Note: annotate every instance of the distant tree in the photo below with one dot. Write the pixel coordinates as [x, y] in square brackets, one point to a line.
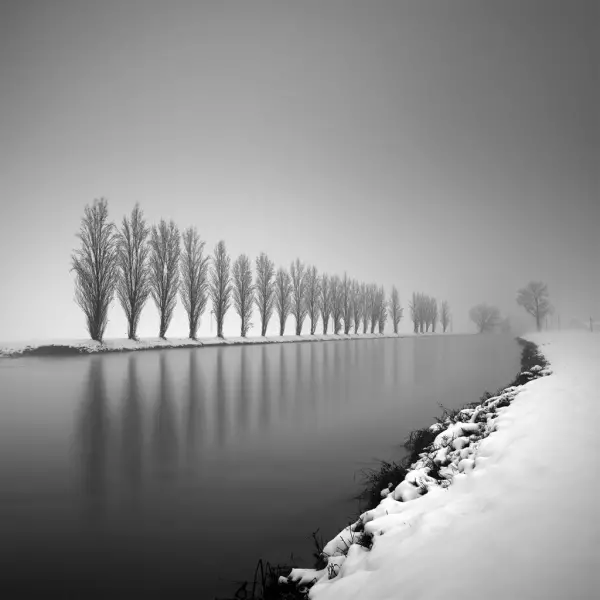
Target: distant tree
[414, 311]
[313, 296]
[243, 292]
[265, 296]
[346, 300]
[326, 302]
[433, 313]
[356, 305]
[283, 297]
[299, 309]
[382, 308]
[365, 297]
[96, 267]
[132, 282]
[194, 279]
[534, 298]
[220, 285]
[395, 309]
[374, 300]
[505, 325]
[445, 315]
[486, 317]
[337, 307]
[164, 271]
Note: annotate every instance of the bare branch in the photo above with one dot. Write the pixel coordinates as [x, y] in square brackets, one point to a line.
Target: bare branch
[164, 271]
[96, 267]
[265, 298]
[243, 291]
[283, 297]
[194, 279]
[220, 285]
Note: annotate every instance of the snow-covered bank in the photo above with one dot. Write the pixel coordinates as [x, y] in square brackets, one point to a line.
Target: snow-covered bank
[501, 505]
[66, 347]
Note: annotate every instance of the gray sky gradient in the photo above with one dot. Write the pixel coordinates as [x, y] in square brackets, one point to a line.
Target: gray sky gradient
[447, 147]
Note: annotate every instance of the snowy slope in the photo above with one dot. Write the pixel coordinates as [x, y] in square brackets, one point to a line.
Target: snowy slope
[520, 518]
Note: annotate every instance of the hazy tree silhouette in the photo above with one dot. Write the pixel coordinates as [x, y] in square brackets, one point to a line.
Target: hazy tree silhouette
[415, 311]
[486, 317]
[283, 297]
[133, 286]
[337, 306]
[264, 293]
[382, 309]
[96, 267]
[374, 301]
[534, 298]
[194, 279]
[430, 313]
[365, 300]
[356, 305]
[220, 285]
[299, 309]
[326, 302]
[347, 308]
[164, 271]
[243, 292]
[313, 295]
[395, 309]
[445, 315]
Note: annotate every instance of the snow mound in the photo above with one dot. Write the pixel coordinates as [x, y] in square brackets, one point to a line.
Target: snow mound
[491, 473]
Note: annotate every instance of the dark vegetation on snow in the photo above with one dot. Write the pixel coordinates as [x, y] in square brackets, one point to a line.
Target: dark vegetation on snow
[266, 586]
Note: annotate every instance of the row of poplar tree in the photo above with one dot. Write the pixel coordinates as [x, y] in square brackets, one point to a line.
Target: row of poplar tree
[138, 262]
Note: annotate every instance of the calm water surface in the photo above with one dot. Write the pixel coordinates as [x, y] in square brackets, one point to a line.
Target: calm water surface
[169, 473]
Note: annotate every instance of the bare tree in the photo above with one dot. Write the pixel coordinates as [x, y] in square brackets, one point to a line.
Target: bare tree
[534, 298]
[445, 315]
[96, 267]
[194, 279]
[337, 307]
[299, 309]
[347, 309]
[374, 300]
[356, 306]
[132, 283]
[382, 309]
[313, 296]
[220, 285]
[433, 307]
[264, 297]
[243, 292]
[365, 296]
[414, 311]
[164, 271]
[395, 309]
[326, 302]
[485, 317]
[283, 297]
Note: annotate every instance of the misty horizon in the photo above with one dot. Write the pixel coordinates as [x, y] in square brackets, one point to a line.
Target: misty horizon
[447, 151]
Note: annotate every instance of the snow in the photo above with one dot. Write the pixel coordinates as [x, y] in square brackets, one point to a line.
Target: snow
[123, 344]
[519, 518]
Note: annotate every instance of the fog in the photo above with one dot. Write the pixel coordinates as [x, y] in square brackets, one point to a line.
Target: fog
[453, 151]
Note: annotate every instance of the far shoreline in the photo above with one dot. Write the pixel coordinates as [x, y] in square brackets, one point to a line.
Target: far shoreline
[79, 347]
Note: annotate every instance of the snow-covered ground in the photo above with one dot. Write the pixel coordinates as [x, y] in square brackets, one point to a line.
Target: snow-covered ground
[123, 344]
[517, 517]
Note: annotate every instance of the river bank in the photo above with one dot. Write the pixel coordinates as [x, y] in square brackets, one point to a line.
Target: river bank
[494, 501]
[74, 347]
